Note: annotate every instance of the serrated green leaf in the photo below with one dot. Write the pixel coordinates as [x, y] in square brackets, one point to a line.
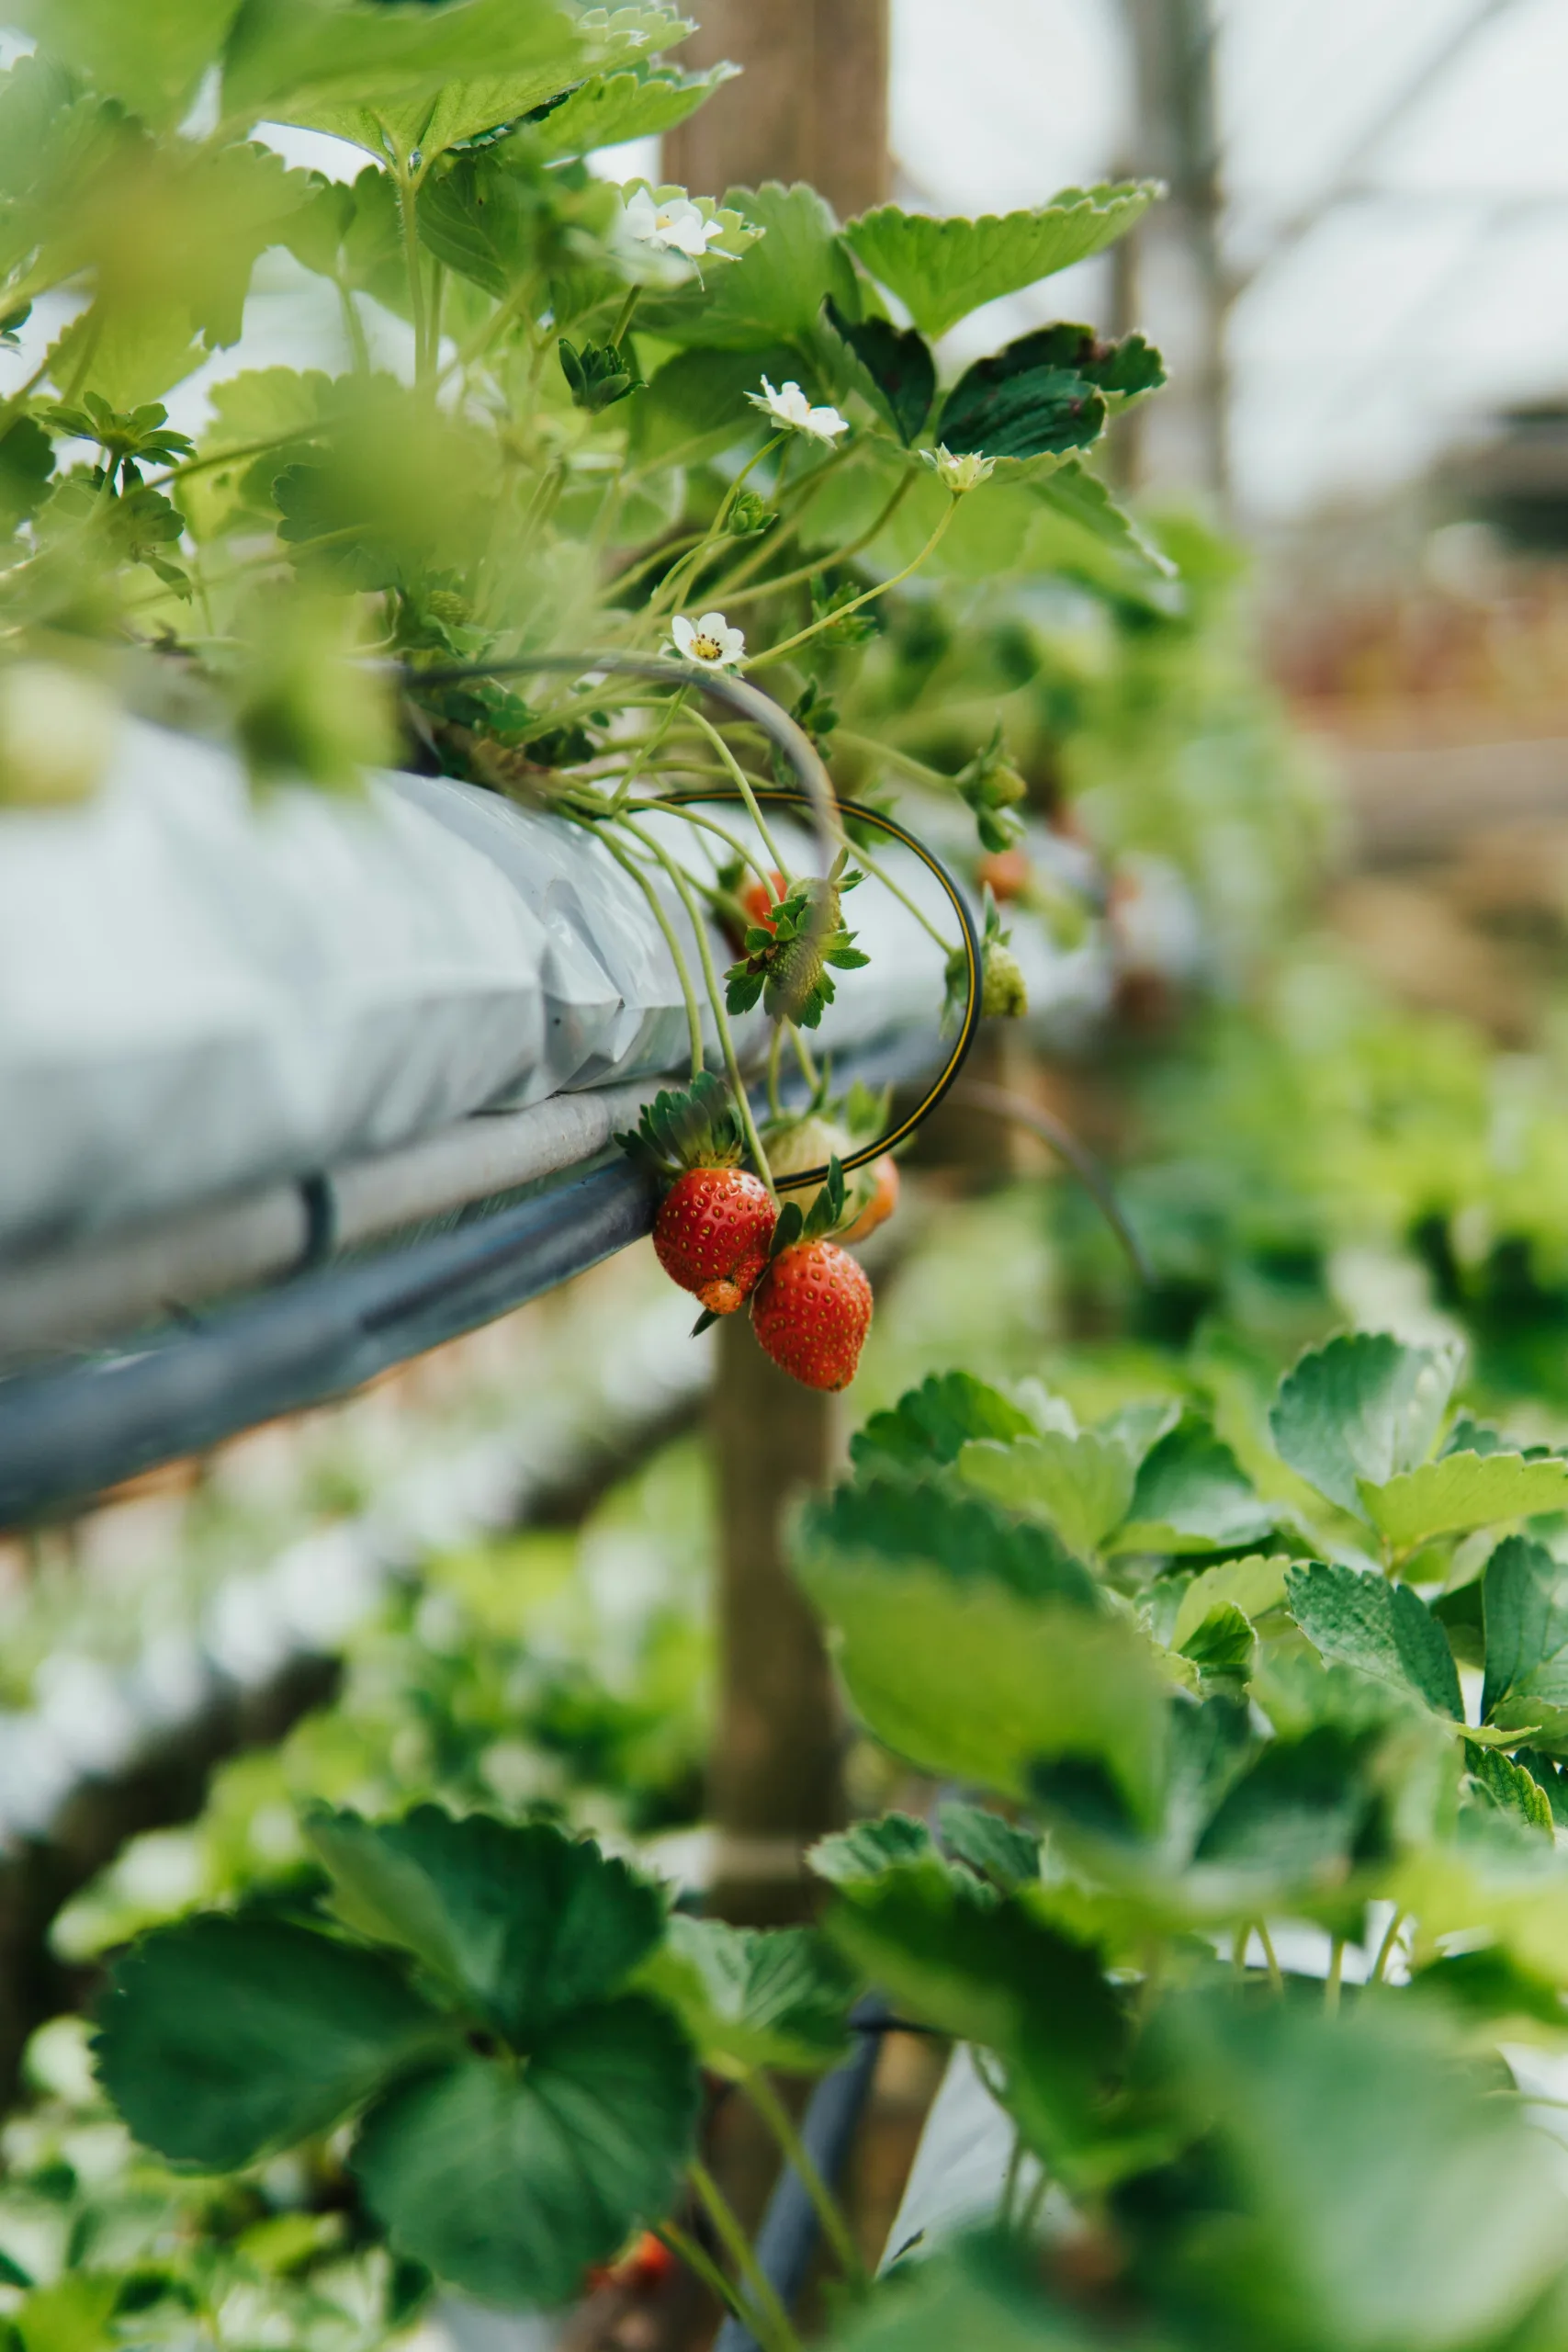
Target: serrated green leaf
[985, 1970]
[222, 2038]
[509, 2184]
[1083, 529]
[1512, 1790]
[1221, 1642]
[966, 1678]
[997, 1850]
[1462, 1490]
[1080, 1486]
[1384, 1630]
[642, 102]
[1021, 413]
[26, 461]
[1255, 1586]
[1363, 1407]
[942, 270]
[930, 1424]
[752, 1997]
[774, 293]
[868, 1848]
[1191, 1495]
[1524, 1598]
[967, 1536]
[525, 1923]
[898, 370]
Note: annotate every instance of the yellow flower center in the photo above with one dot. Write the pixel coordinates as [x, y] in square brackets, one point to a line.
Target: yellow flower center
[705, 647]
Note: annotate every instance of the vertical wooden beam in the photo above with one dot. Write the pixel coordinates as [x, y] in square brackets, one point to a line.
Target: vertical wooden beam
[775, 1779]
[811, 103]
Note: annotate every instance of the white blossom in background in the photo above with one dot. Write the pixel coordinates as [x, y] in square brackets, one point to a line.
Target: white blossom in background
[791, 408]
[676, 226]
[960, 473]
[710, 641]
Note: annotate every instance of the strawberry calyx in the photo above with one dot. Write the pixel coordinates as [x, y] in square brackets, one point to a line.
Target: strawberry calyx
[686, 1127]
[785, 961]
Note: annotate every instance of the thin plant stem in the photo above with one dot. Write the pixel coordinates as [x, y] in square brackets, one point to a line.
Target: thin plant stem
[809, 1069]
[1336, 1973]
[842, 612]
[708, 825]
[1386, 1949]
[737, 2247]
[697, 2260]
[1009, 2178]
[409, 219]
[682, 969]
[1029, 2220]
[840, 555]
[781, 2123]
[744, 782]
[715, 997]
[673, 588]
[793, 507]
[1275, 1977]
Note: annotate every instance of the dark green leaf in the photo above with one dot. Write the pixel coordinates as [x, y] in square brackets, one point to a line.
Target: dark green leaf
[26, 461]
[932, 1423]
[1007, 1855]
[1365, 1406]
[1384, 1630]
[1525, 1606]
[1043, 412]
[869, 1847]
[1511, 1789]
[752, 1997]
[970, 1538]
[510, 2183]
[526, 1923]
[224, 2038]
[899, 363]
[1193, 1496]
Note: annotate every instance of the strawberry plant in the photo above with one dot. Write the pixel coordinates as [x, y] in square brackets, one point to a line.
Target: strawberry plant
[648, 445]
[1243, 1875]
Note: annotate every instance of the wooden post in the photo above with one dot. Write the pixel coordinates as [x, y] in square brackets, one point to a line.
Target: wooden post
[775, 1780]
[811, 103]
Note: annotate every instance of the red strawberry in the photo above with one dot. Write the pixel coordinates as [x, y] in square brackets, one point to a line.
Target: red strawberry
[639, 2271]
[759, 903]
[811, 1313]
[712, 1234]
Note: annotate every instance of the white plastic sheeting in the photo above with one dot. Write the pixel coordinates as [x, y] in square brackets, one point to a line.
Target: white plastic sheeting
[201, 994]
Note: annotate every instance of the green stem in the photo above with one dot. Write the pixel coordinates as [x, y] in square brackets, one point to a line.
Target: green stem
[882, 588]
[732, 842]
[1010, 2180]
[779, 2333]
[682, 969]
[715, 997]
[674, 587]
[1386, 1950]
[1028, 2221]
[743, 783]
[628, 313]
[781, 2123]
[1335, 1970]
[409, 218]
[703, 2266]
[1275, 1978]
[354, 328]
[843, 555]
[809, 1069]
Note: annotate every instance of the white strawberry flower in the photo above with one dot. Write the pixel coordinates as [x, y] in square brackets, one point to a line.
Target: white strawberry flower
[709, 641]
[960, 473]
[676, 225]
[791, 408]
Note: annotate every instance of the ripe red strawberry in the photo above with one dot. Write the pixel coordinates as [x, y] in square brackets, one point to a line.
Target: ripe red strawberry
[639, 2271]
[712, 1234]
[811, 1312]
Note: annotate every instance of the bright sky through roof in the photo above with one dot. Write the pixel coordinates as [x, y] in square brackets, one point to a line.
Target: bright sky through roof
[1431, 290]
